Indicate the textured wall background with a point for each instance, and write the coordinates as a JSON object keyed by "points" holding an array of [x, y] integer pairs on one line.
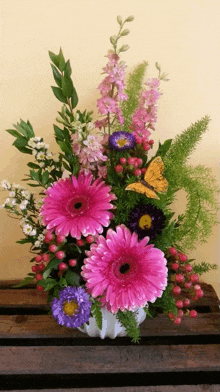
{"points": [[182, 36]]}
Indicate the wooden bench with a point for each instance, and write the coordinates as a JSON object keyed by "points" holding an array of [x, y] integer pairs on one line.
{"points": [[38, 354]]}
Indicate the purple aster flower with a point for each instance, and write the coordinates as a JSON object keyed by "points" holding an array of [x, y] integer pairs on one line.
{"points": [[146, 220], [72, 309], [121, 141]]}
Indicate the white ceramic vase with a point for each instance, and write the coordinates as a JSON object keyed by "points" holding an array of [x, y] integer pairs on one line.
{"points": [[110, 325]]}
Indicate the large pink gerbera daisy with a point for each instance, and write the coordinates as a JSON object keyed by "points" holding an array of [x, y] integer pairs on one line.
{"points": [[78, 206], [126, 272]]}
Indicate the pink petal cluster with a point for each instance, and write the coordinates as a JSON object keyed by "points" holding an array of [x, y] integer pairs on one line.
{"points": [[90, 154], [78, 206], [145, 117], [127, 273], [112, 89]]}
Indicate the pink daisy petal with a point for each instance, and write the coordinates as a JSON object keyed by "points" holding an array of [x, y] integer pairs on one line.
{"points": [[126, 272], [77, 206]]}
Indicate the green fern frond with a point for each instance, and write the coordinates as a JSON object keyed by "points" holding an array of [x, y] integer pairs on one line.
{"points": [[96, 312], [128, 321]]}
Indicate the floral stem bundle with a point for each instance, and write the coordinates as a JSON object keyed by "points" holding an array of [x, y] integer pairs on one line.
{"points": [[101, 227]]}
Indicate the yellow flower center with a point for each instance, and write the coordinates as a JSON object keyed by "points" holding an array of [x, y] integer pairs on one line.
{"points": [[145, 222], [121, 142], [70, 308]]}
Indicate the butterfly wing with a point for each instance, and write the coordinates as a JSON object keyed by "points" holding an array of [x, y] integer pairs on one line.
{"points": [[140, 188], [154, 176]]}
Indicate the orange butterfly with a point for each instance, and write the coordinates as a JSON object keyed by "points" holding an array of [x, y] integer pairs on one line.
{"points": [[154, 181]]}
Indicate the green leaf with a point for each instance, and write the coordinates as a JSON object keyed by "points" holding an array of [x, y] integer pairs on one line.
{"points": [[25, 150], [20, 142], [72, 278], [96, 311], [56, 75], [24, 241], [24, 282], [59, 94], [61, 61], [64, 147], [67, 167], [45, 178], [67, 69], [22, 130], [33, 165], [34, 175], [67, 86], [28, 128], [33, 185], [52, 264], [54, 58], [13, 133], [163, 148], [74, 98], [58, 132]]}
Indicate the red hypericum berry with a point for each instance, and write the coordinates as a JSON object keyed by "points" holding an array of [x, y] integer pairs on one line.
{"points": [[137, 172], [138, 139], [177, 320], [140, 161], [186, 302], [131, 160], [188, 268], [62, 266], [199, 293], [40, 288], [123, 160], [146, 147], [60, 239], [34, 268], [197, 286], [171, 316], [45, 257], [176, 290], [182, 257], [90, 239], [38, 258], [194, 278], [72, 262], [193, 313], [38, 276], [143, 170], [80, 242], [172, 251], [60, 255], [179, 304], [46, 241], [180, 313], [118, 168], [151, 142], [49, 236], [175, 266], [53, 248], [41, 267], [135, 164], [188, 285], [179, 278]]}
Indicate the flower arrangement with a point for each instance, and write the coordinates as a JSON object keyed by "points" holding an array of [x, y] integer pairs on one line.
{"points": [[101, 228]]}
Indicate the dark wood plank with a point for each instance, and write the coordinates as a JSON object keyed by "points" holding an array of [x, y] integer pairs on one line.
{"points": [[163, 388], [36, 326], [108, 359]]}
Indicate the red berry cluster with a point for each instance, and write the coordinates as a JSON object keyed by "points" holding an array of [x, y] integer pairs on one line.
{"points": [[131, 164], [55, 245], [184, 279], [146, 145]]}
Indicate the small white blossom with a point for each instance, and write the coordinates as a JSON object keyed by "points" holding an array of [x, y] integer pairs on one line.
{"points": [[56, 157], [90, 126], [12, 194], [27, 229], [49, 155], [23, 205], [17, 186], [37, 244], [41, 164], [50, 168], [38, 203], [5, 184], [46, 146], [13, 202], [33, 232], [40, 156], [40, 145], [37, 138], [34, 153], [40, 237], [31, 143], [26, 194]]}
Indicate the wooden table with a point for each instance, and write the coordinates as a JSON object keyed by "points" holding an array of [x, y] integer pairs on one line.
{"points": [[38, 354]]}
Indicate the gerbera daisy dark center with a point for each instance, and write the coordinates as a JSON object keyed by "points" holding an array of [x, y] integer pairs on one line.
{"points": [[145, 222], [70, 308], [124, 268], [77, 205]]}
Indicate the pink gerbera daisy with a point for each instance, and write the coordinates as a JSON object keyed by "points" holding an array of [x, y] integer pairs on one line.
{"points": [[78, 206], [126, 272]]}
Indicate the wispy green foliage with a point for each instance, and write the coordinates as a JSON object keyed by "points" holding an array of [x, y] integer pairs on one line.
{"points": [[203, 267], [128, 320], [133, 89]]}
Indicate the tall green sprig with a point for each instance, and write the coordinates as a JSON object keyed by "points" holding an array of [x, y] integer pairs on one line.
{"points": [[128, 320]]}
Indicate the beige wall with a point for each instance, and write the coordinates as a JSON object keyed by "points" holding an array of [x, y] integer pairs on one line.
{"points": [[183, 36]]}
